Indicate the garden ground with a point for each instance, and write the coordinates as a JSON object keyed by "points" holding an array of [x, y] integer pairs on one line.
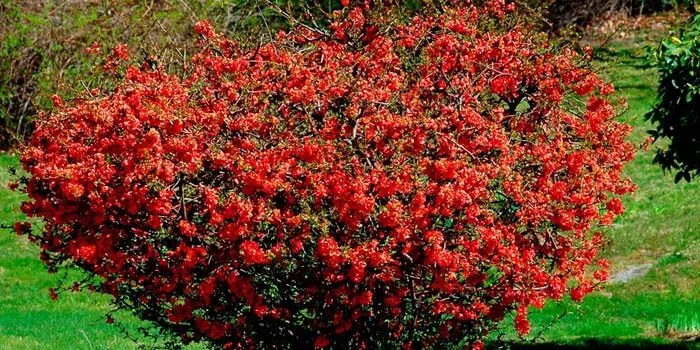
{"points": [[660, 234]]}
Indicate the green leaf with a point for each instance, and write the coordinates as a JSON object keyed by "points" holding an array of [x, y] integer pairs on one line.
{"points": [[494, 275], [449, 222], [678, 178], [307, 314]]}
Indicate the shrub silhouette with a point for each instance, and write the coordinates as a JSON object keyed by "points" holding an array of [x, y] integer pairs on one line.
{"points": [[676, 113]]}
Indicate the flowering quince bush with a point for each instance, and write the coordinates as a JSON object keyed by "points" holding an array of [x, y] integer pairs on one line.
{"points": [[393, 182]]}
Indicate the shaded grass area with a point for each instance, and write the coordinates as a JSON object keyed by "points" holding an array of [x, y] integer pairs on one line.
{"points": [[661, 227], [596, 344]]}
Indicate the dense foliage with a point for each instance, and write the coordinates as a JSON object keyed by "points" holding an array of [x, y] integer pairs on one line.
{"points": [[389, 182], [677, 111]]}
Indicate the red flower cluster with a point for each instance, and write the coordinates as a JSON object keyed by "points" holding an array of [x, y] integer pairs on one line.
{"points": [[397, 182]]}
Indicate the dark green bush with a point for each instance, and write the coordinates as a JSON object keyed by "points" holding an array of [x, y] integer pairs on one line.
{"points": [[676, 114]]}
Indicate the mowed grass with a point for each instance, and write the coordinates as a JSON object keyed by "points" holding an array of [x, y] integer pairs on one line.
{"points": [[661, 227]]}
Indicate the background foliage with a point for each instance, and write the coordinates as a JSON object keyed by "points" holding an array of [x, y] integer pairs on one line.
{"points": [[563, 13]]}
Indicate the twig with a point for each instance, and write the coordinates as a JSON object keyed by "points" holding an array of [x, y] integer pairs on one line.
{"points": [[540, 334]]}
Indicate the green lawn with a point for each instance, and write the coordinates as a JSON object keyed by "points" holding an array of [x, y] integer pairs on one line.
{"points": [[661, 227]]}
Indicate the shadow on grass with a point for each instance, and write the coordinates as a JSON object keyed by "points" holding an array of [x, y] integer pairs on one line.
{"points": [[598, 344]]}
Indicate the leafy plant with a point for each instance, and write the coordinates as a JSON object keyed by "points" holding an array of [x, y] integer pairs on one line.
{"points": [[676, 113]]}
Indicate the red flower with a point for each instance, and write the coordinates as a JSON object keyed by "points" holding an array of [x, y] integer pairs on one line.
{"points": [[86, 252], [121, 52], [615, 206], [322, 342], [93, 49], [252, 253], [187, 229], [522, 325], [57, 101], [19, 228], [205, 28]]}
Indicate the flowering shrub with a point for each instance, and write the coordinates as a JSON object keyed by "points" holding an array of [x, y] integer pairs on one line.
{"points": [[389, 183]]}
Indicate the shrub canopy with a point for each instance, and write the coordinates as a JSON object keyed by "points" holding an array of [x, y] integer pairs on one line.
{"points": [[390, 182]]}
